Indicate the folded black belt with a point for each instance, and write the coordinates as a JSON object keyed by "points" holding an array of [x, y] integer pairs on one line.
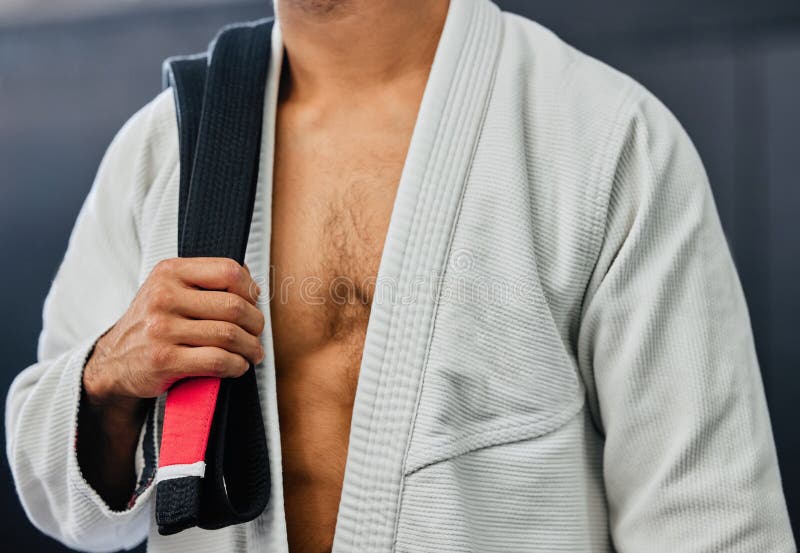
{"points": [[213, 466]]}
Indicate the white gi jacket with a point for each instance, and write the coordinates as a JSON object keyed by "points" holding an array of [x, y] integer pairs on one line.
{"points": [[566, 361]]}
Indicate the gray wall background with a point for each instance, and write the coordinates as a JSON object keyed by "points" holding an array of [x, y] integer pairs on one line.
{"points": [[729, 69]]}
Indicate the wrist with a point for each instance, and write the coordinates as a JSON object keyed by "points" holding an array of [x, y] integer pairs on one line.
{"points": [[101, 391]]}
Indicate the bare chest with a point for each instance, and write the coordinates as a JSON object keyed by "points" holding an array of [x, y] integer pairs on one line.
{"points": [[333, 193], [332, 202]]}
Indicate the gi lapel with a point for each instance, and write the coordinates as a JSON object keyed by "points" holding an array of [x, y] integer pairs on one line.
{"points": [[414, 258]]}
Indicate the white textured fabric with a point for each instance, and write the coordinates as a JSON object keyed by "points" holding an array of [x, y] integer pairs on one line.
{"points": [[563, 362]]}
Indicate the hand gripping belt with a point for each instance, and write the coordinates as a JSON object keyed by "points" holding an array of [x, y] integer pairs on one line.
{"points": [[213, 466]]}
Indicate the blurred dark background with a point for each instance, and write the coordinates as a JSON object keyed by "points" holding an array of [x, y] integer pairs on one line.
{"points": [[72, 72]]}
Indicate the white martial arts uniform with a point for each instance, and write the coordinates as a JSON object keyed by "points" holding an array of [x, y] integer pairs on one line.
{"points": [[563, 362]]}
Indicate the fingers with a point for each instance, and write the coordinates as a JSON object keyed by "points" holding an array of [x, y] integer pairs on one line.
{"points": [[212, 273], [210, 361], [208, 332], [221, 306], [218, 334]]}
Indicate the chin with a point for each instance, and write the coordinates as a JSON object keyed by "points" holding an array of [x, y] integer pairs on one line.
{"points": [[316, 7]]}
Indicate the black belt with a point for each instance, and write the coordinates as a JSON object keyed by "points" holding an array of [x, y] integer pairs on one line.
{"points": [[213, 460]]}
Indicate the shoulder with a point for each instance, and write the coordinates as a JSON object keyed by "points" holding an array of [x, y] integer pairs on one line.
{"points": [[598, 147], [581, 116], [140, 161], [148, 141], [598, 101]]}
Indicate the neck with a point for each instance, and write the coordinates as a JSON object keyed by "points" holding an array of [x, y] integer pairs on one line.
{"points": [[349, 47]]}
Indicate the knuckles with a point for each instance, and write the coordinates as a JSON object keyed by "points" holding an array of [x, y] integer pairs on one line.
{"points": [[161, 298], [157, 326], [231, 272], [216, 365], [228, 334], [235, 308], [160, 357], [165, 267]]}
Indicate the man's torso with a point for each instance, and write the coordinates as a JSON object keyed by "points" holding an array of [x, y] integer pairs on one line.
{"points": [[336, 175]]}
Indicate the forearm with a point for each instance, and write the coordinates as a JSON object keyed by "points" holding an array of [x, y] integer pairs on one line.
{"points": [[109, 425], [108, 435]]}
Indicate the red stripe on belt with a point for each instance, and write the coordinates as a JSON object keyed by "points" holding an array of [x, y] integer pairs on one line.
{"points": [[188, 413]]}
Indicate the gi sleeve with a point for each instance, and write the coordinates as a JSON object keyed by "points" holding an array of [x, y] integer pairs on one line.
{"points": [[689, 459], [95, 283]]}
